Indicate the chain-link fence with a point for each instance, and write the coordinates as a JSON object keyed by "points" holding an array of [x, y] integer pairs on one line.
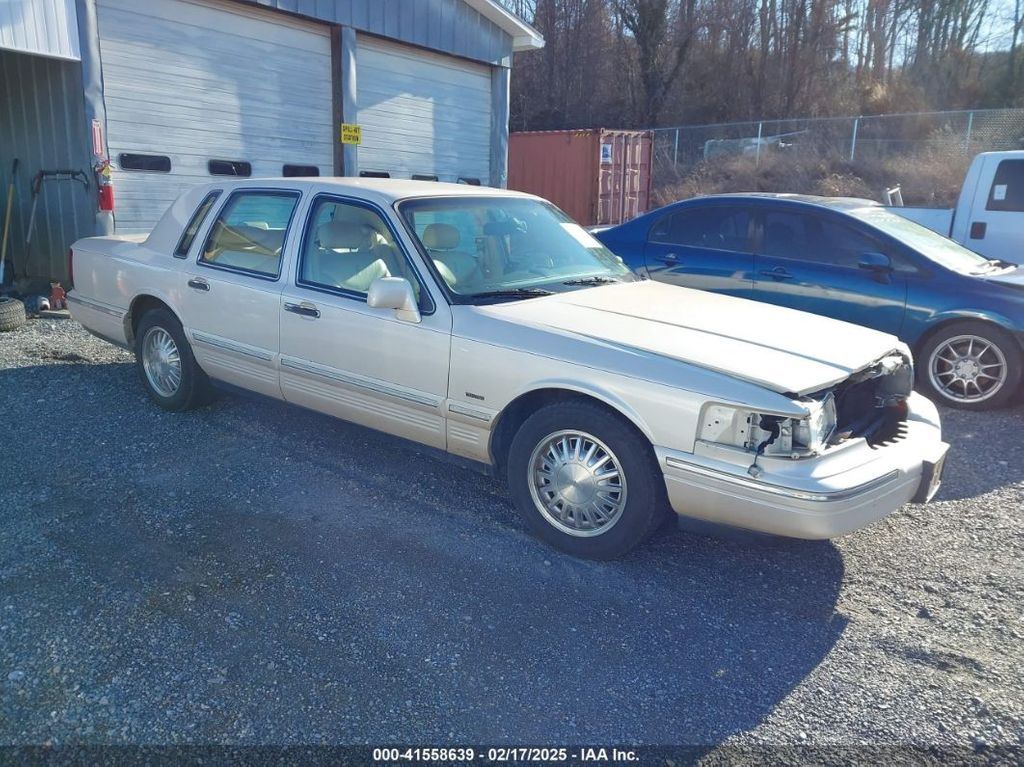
{"points": [[858, 147]]}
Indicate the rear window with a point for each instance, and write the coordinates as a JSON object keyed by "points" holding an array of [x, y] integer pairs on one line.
{"points": [[195, 224], [1007, 192]]}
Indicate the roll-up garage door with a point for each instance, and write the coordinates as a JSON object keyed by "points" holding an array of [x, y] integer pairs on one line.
{"points": [[187, 84], [422, 114]]}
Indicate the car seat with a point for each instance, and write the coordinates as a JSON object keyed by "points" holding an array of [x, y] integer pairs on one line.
{"points": [[441, 241], [343, 256]]}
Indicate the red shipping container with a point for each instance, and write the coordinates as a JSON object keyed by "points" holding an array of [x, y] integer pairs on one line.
{"points": [[597, 176]]}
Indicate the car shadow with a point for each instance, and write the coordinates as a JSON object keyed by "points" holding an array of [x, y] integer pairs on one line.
{"points": [[255, 573], [975, 466]]}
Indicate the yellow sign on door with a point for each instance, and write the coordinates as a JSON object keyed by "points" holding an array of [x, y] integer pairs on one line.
{"points": [[351, 133]]}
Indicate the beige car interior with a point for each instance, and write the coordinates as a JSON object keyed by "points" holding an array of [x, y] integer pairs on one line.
{"points": [[245, 246], [352, 250], [442, 242]]}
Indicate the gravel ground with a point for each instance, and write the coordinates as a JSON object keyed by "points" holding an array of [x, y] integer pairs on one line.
{"points": [[253, 573]]}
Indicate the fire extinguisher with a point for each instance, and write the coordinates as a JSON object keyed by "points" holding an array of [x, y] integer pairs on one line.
{"points": [[105, 185]]}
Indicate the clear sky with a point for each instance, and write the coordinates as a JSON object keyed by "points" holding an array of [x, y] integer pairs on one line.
{"points": [[999, 26]]}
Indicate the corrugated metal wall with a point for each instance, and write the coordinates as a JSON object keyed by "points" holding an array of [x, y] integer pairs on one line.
{"points": [[449, 26], [46, 27], [423, 113], [42, 123], [595, 176]]}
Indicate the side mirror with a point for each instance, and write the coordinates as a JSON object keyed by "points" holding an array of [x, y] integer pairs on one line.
{"points": [[394, 293], [875, 262]]}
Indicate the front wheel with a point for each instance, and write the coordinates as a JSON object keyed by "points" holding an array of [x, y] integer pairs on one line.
{"points": [[585, 480], [971, 365], [164, 360]]}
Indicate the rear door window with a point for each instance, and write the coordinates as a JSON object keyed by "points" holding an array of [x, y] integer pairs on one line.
{"points": [[195, 224], [250, 232], [713, 228], [1007, 192]]}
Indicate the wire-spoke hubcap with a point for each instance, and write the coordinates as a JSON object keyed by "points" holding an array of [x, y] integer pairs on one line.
{"points": [[577, 483], [968, 368], [161, 361]]}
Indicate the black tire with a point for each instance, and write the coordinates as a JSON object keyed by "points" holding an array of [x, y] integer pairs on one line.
{"points": [[646, 503], [12, 314], [194, 388], [1008, 348]]}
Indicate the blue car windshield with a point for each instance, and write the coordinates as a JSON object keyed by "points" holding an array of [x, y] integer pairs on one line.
{"points": [[931, 245]]}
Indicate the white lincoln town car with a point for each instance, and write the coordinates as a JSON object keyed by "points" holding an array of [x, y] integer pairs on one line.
{"points": [[488, 325]]}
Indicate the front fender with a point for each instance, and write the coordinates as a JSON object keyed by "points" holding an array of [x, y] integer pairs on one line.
{"points": [[612, 400]]}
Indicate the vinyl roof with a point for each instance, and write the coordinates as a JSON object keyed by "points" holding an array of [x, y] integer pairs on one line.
{"points": [[381, 190]]}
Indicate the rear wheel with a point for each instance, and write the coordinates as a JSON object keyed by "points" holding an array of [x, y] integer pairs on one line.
{"points": [[165, 363], [971, 365], [585, 480]]}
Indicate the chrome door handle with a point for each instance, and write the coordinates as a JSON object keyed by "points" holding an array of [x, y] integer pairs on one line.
{"points": [[198, 283], [303, 309], [669, 258]]}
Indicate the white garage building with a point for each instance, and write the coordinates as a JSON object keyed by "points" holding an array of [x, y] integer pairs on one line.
{"points": [[172, 92]]}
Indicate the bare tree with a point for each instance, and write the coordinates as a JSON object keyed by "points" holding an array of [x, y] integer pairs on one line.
{"points": [[641, 63], [662, 33]]}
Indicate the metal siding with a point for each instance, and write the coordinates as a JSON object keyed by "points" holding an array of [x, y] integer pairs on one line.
{"points": [[499, 126], [43, 125], [348, 82], [423, 113], [454, 27], [197, 81], [43, 27], [565, 167], [625, 183]]}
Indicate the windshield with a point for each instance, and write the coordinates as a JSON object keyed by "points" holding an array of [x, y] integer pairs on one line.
{"points": [[932, 245], [508, 247]]}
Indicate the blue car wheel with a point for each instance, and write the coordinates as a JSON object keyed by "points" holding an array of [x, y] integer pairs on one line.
{"points": [[971, 365]]}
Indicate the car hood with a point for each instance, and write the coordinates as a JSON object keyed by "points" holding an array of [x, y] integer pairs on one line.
{"points": [[784, 350], [1014, 278]]}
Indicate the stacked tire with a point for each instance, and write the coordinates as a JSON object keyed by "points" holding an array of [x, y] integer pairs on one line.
{"points": [[12, 314]]}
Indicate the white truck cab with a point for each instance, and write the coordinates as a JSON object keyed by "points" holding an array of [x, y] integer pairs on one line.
{"points": [[989, 216]]}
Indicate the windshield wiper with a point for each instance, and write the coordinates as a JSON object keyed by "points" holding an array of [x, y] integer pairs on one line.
{"points": [[595, 280], [513, 293]]}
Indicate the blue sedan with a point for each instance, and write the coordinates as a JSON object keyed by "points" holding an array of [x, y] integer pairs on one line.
{"points": [[962, 314]]}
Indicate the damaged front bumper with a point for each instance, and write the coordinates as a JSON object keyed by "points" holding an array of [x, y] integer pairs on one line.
{"points": [[847, 487]]}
